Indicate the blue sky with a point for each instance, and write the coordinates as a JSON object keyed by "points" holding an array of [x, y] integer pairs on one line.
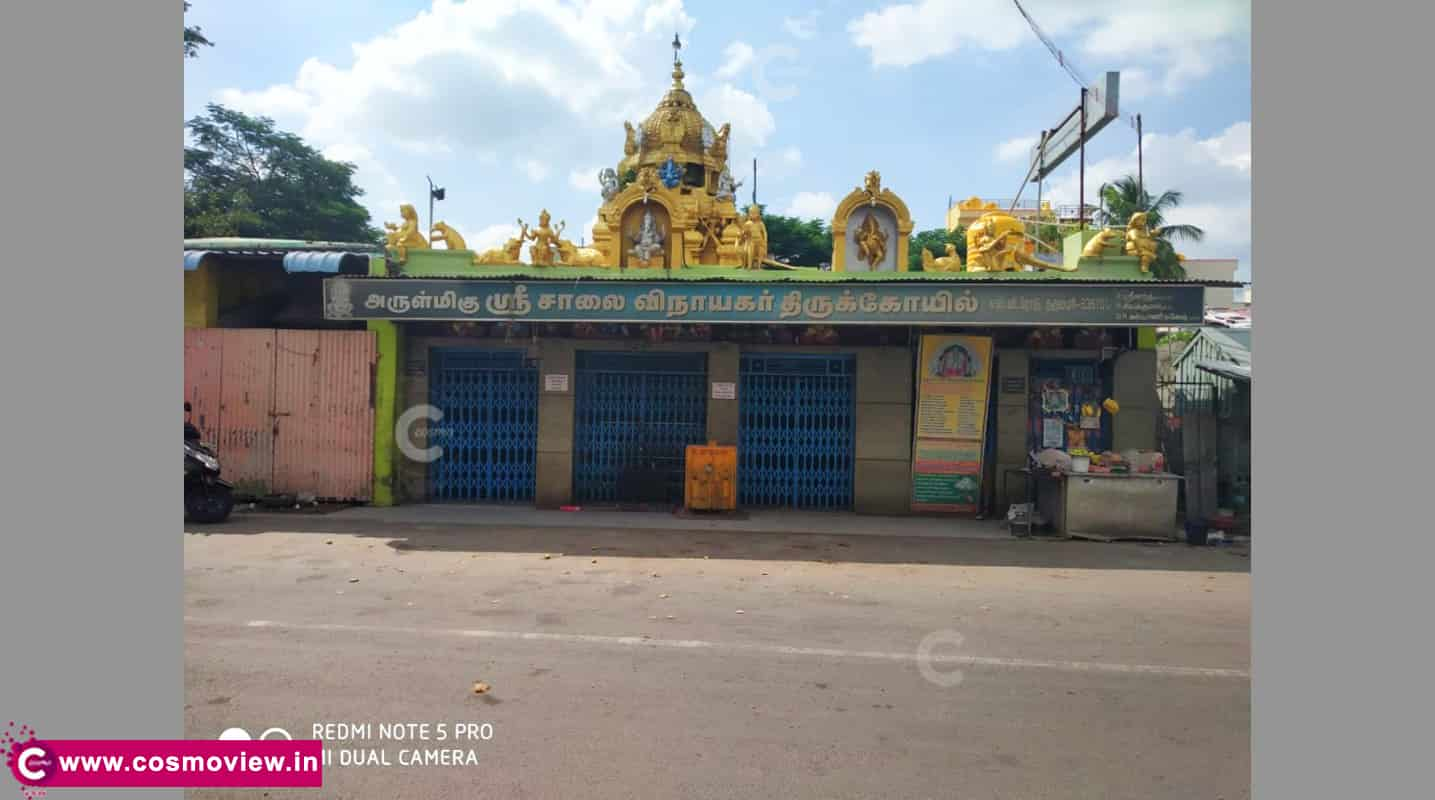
{"points": [[514, 106]]}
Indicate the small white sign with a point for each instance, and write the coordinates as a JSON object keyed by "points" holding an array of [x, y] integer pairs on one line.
{"points": [[555, 383], [724, 391]]}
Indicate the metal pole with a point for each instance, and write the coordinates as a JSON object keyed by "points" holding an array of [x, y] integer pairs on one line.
{"points": [[430, 180], [1140, 176], [1041, 167], [754, 181], [1081, 203]]}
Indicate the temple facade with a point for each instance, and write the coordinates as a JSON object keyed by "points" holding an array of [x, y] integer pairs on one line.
{"points": [[580, 377]]}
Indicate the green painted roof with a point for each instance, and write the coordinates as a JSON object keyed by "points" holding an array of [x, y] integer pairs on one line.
{"points": [[438, 264]]}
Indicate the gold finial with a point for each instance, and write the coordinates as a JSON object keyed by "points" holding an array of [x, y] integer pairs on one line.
{"points": [[677, 63]]}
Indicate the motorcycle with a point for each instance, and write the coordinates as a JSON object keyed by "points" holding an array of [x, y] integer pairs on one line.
{"points": [[207, 498]]}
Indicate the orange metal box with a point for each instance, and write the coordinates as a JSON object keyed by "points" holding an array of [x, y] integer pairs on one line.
{"points": [[711, 482]]}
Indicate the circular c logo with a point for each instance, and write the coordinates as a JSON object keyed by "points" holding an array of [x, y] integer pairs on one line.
{"points": [[34, 764], [403, 434], [265, 735]]}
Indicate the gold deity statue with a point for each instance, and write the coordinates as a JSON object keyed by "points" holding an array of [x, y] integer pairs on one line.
{"points": [[510, 253], [752, 242], [951, 262], [996, 243], [405, 235], [872, 184], [1141, 242], [545, 242], [871, 241]]}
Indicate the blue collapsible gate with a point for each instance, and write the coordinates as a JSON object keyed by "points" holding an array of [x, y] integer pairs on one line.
{"points": [[634, 416], [489, 430], [796, 431]]}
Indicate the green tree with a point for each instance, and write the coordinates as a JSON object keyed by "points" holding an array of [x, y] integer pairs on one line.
{"points": [[802, 243], [1126, 197], [244, 177], [193, 38], [935, 240]]}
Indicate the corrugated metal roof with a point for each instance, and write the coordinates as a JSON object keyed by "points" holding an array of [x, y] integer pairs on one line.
{"points": [[326, 261], [235, 244], [308, 261], [1238, 372], [1232, 349]]}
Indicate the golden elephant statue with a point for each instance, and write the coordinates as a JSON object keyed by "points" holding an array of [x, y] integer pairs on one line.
{"points": [[994, 244]]}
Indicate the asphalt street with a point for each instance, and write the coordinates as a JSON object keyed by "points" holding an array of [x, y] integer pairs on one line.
{"points": [[678, 663]]}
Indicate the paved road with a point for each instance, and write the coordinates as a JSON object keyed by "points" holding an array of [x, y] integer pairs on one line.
{"points": [[621, 667]]}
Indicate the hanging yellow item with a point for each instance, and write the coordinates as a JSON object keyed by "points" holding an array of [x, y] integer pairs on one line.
{"points": [[1111, 406]]}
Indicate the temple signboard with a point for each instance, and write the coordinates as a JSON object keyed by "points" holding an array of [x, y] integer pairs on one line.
{"points": [[908, 303]]}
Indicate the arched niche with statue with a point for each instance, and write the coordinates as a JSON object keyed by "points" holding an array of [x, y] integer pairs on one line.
{"points": [[870, 230]]}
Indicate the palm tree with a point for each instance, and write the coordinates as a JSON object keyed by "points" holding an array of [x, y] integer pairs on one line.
{"points": [[1126, 196]]}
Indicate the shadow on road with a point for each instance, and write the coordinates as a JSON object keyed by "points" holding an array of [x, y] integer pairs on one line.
{"points": [[748, 545]]}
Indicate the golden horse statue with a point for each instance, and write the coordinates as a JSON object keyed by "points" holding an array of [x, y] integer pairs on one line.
{"points": [[405, 236], [951, 262], [451, 238], [510, 253]]}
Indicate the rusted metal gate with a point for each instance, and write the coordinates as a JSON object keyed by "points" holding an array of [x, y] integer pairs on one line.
{"points": [[290, 411]]}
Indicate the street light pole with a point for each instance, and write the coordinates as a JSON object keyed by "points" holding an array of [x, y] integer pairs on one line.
{"points": [[435, 193]]}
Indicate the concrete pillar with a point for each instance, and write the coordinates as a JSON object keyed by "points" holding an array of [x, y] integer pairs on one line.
{"points": [[386, 383], [1013, 369], [1134, 388], [554, 467], [412, 475], [882, 480], [723, 366]]}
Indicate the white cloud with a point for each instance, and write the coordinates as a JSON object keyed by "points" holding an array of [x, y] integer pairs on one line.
{"points": [[1018, 149], [585, 180], [536, 170], [803, 27], [1212, 174], [666, 15], [1137, 84], [506, 81], [811, 205], [1186, 39], [736, 58], [490, 236], [751, 120]]}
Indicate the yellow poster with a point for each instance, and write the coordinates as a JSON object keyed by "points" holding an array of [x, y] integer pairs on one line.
{"points": [[953, 384]]}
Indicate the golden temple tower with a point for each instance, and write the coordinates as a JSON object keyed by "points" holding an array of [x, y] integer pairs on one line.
{"points": [[671, 200]]}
